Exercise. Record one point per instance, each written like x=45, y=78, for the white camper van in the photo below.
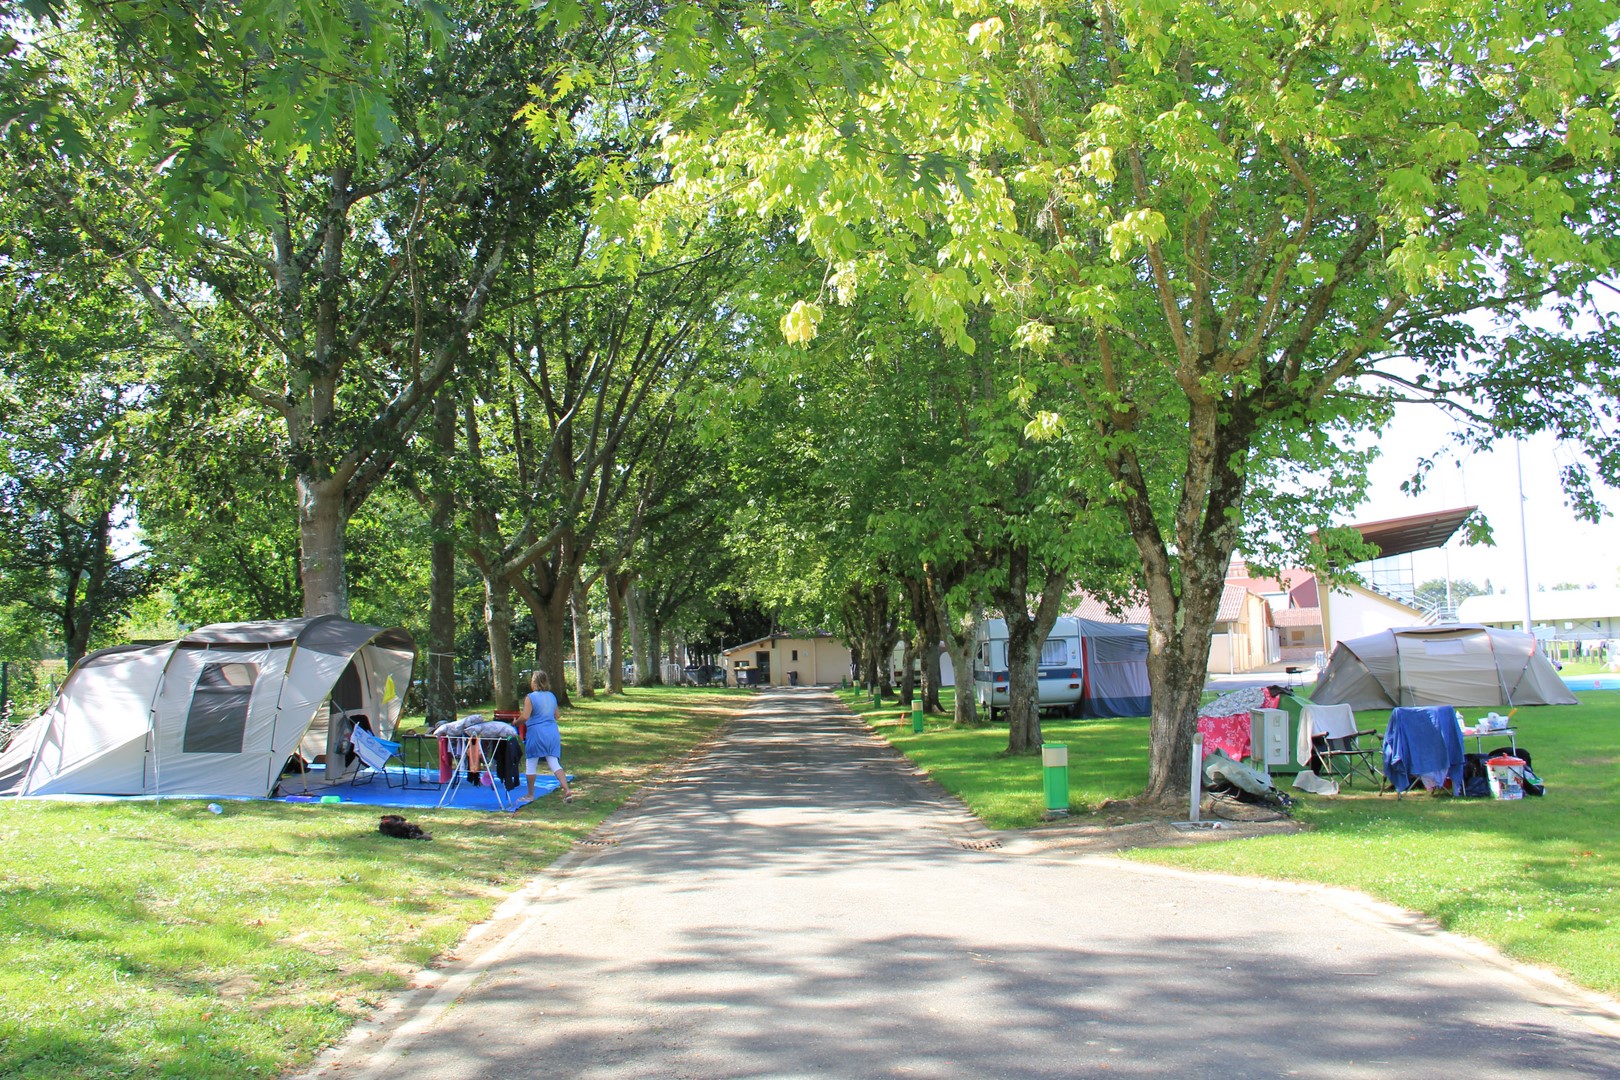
x=1060, y=666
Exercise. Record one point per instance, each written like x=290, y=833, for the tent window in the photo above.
x=217, y=722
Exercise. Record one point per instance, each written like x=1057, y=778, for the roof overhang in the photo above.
x=1416, y=532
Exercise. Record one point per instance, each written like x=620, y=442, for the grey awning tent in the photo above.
x=217, y=712
x=1440, y=665
x=1115, y=679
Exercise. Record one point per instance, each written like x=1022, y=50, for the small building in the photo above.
x=797, y=659
x=1244, y=637
x=1586, y=616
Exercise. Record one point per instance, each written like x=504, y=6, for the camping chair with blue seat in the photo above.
x=1336, y=742
x=376, y=753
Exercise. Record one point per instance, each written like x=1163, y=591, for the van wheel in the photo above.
x=995, y=714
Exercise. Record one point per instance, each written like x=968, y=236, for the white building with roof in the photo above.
x=1564, y=615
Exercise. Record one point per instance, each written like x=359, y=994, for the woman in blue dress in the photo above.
x=541, y=738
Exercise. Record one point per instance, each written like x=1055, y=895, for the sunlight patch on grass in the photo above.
x=1537, y=878
x=1107, y=760
x=159, y=939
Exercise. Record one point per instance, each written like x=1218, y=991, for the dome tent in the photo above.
x=217, y=712
x=1440, y=665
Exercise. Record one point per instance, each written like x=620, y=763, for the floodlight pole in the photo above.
x=1524, y=537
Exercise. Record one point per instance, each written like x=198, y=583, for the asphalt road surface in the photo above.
x=794, y=903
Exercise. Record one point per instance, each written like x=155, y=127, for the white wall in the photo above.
x=1351, y=612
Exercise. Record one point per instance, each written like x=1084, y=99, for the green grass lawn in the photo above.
x=159, y=939
x=1538, y=879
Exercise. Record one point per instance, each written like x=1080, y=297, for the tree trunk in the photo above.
x=967, y=707
x=320, y=546
x=584, y=646
x=932, y=674
x=498, y=622
x=908, y=660
x=1023, y=685
x=655, y=660
x=1181, y=619
x=548, y=605
x=960, y=637
x=1025, y=635
x=641, y=653
x=439, y=685
x=618, y=586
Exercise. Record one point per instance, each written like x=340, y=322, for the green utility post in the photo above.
x=916, y=717
x=1055, y=770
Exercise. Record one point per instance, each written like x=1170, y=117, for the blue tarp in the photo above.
x=1424, y=741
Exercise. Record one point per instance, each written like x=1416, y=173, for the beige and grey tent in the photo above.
x=217, y=712
x=1440, y=665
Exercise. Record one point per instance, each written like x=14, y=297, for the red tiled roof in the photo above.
x=1086, y=606
x=1231, y=608
x=1300, y=616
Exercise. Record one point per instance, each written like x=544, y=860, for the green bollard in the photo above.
x=1055, y=773
x=916, y=718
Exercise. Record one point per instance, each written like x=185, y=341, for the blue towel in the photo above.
x=1425, y=741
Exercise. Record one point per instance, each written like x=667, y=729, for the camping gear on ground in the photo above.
x=1271, y=714
x=1440, y=665
x=1424, y=745
x=1477, y=775
x=1306, y=780
x=217, y=712
x=1506, y=776
x=1331, y=742
x=1247, y=784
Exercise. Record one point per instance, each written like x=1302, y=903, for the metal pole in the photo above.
x=1196, y=785
x=1524, y=539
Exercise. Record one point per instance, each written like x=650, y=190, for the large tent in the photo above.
x=1115, y=669
x=217, y=712
x=1440, y=665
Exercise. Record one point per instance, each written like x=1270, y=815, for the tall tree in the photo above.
x=330, y=234
x=1229, y=223
x=77, y=359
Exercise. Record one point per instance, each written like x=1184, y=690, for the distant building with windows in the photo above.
x=1306, y=620
x=788, y=660
x=1564, y=615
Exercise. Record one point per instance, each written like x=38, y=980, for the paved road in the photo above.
x=795, y=904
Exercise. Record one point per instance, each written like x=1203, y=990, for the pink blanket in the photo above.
x=1229, y=733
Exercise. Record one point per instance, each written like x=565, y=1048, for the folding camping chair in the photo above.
x=376, y=754
x=1336, y=743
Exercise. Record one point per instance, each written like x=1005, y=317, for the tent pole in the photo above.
x=28, y=779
